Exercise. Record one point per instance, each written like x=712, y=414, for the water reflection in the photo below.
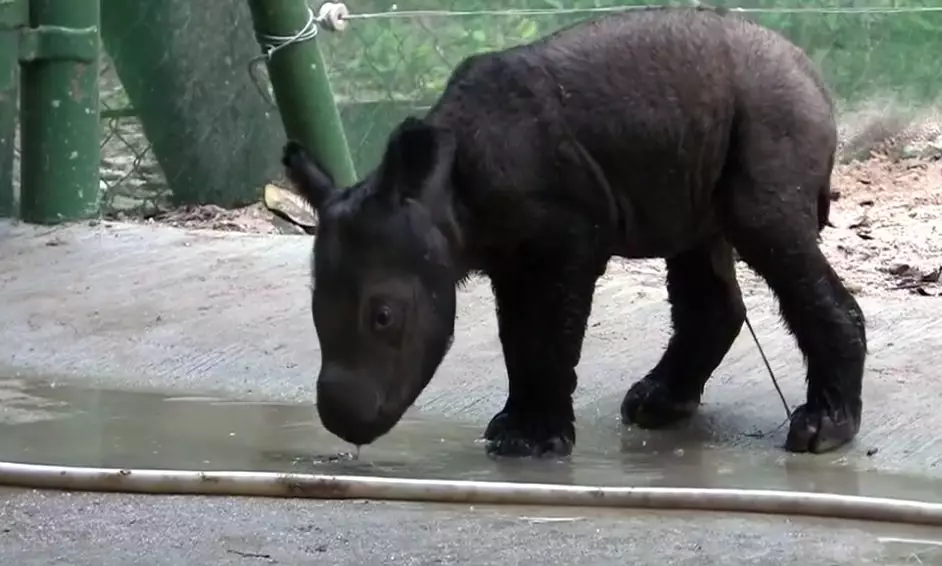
x=42, y=422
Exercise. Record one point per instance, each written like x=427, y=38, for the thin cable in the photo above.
x=611, y=9
x=272, y=43
x=768, y=366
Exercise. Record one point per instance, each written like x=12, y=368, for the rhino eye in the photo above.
x=382, y=318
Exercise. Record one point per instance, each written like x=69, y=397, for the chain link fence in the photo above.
x=132, y=182
x=879, y=56
x=181, y=120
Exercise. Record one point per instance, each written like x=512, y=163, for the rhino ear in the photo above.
x=310, y=180
x=418, y=161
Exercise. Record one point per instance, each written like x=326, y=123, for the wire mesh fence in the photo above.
x=132, y=181
x=877, y=56
x=186, y=126
x=880, y=57
x=180, y=118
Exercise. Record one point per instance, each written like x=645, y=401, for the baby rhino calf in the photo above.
x=672, y=133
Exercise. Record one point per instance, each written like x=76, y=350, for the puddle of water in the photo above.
x=48, y=423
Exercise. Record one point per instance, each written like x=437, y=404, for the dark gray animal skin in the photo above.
x=666, y=133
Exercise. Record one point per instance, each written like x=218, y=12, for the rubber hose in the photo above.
x=314, y=486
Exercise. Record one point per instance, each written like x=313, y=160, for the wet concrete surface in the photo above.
x=63, y=424
x=46, y=423
x=142, y=346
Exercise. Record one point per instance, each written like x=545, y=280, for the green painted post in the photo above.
x=59, y=124
x=13, y=16
x=302, y=89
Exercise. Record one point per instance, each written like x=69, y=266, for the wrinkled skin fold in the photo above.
x=678, y=133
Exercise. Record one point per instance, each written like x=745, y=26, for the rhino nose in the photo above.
x=349, y=405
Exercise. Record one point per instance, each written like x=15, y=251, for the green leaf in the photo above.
x=528, y=29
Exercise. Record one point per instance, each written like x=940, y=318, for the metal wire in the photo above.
x=768, y=366
x=612, y=9
x=272, y=43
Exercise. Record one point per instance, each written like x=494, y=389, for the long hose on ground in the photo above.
x=313, y=486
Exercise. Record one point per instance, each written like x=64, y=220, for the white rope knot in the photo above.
x=333, y=16
x=272, y=43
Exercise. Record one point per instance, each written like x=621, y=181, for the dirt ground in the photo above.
x=888, y=225
x=887, y=233
x=253, y=219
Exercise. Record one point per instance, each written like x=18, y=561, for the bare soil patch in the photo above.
x=253, y=219
x=887, y=232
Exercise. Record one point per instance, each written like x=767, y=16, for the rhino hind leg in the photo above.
x=707, y=314
x=769, y=211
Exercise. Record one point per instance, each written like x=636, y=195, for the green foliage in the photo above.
x=411, y=58
x=408, y=60
x=868, y=55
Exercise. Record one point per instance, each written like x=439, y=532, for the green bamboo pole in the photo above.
x=301, y=87
x=13, y=17
x=59, y=124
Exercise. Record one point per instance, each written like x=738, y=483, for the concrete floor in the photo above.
x=147, y=310
x=94, y=530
